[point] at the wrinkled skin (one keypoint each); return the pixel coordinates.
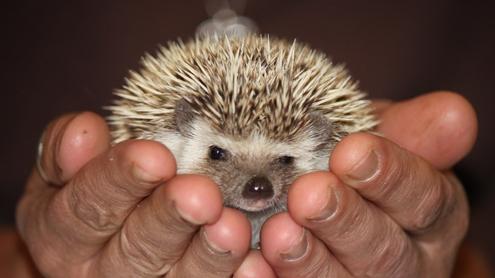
(122, 211)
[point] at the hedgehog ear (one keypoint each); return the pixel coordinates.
(184, 116)
(322, 129)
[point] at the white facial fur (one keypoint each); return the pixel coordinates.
(190, 152)
(257, 152)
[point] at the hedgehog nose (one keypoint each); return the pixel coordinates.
(258, 188)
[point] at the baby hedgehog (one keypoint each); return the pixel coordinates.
(252, 113)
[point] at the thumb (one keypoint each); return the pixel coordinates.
(68, 143)
(441, 126)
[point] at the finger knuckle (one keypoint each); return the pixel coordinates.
(140, 255)
(438, 198)
(391, 174)
(392, 257)
(319, 263)
(320, 268)
(92, 212)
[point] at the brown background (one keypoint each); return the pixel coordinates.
(59, 56)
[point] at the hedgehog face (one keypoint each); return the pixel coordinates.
(253, 172)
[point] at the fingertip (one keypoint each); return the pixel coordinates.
(282, 239)
(311, 196)
(355, 158)
(440, 126)
(197, 198)
(151, 161)
(231, 233)
(254, 266)
(456, 120)
(85, 137)
(48, 162)
(218, 249)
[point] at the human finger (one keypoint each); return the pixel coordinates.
(254, 266)
(362, 238)
(86, 212)
(294, 251)
(406, 187)
(157, 233)
(440, 127)
(68, 143)
(218, 249)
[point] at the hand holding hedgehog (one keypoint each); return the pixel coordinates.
(126, 214)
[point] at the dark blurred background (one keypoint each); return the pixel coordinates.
(61, 56)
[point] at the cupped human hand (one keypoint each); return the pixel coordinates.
(389, 206)
(121, 211)
(95, 210)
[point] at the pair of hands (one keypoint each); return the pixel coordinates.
(389, 206)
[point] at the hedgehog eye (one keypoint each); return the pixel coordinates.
(217, 153)
(286, 159)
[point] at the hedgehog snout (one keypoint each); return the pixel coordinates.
(258, 188)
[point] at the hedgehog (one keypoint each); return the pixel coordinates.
(252, 113)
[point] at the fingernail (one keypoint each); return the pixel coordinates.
(143, 175)
(329, 208)
(365, 168)
(213, 247)
(297, 250)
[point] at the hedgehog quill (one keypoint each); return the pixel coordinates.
(252, 113)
